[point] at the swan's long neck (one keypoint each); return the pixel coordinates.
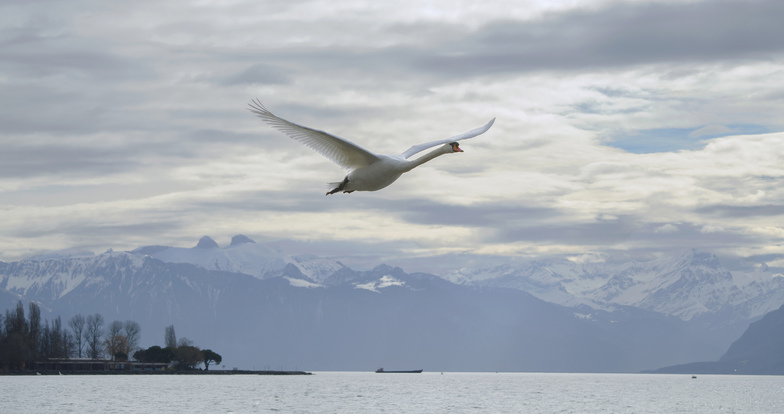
(445, 149)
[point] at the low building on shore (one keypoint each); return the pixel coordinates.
(84, 364)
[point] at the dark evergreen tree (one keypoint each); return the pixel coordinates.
(188, 357)
(33, 336)
(15, 351)
(155, 354)
(211, 357)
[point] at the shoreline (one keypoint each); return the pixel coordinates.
(150, 372)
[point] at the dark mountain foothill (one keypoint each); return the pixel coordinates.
(760, 351)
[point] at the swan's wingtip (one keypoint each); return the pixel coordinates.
(488, 125)
(257, 108)
(256, 104)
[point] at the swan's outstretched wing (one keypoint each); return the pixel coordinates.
(470, 134)
(338, 150)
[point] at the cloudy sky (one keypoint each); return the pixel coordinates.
(625, 129)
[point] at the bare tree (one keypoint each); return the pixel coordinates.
(59, 347)
(115, 328)
(133, 333)
(77, 327)
(92, 335)
(184, 342)
(68, 344)
(115, 342)
(53, 341)
(171, 338)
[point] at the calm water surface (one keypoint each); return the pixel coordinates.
(367, 392)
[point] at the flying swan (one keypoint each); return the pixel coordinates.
(367, 171)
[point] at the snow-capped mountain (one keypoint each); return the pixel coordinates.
(243, 255)
(54, 276)
(382, 317)
(685, 286)
(620, 318)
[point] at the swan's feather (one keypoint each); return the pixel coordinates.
(338, 150)
(470, 134)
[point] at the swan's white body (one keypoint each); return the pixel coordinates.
(367, 171)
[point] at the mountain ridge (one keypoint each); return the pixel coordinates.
(373, 318)
(686, 286)
(238, 295)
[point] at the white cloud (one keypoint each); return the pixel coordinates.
(707, 229)
(667, 229)
(120, 132)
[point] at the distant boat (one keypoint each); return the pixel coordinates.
(381, 371)
(693, 377)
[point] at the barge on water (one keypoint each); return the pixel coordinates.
(382, 371)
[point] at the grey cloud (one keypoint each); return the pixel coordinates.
(764, 258)
(219, 137)
(422, 211)
(417, 211)
(259, 73)
(30, 157)
(615, 36)
(34, 108)
(28, 53)
(59, 159)
(618, 35)
(94, 236)
(645, 244)
(689, 235)
(287, 201)
(87, 233)
(742, 211)
(629, 229)
(600, 232)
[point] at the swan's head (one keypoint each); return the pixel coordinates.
(455, 147)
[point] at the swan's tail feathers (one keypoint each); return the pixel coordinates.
(336, 187)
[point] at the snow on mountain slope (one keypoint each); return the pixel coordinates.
(317, 267)
(684, 286)
(243, 255)
(56, 275)
(384, 282)
(553, 280)
(693, 284)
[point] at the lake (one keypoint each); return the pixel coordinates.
(368, 392)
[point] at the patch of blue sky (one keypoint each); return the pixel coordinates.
(649, 141)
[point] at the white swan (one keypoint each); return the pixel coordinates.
(367, 171)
